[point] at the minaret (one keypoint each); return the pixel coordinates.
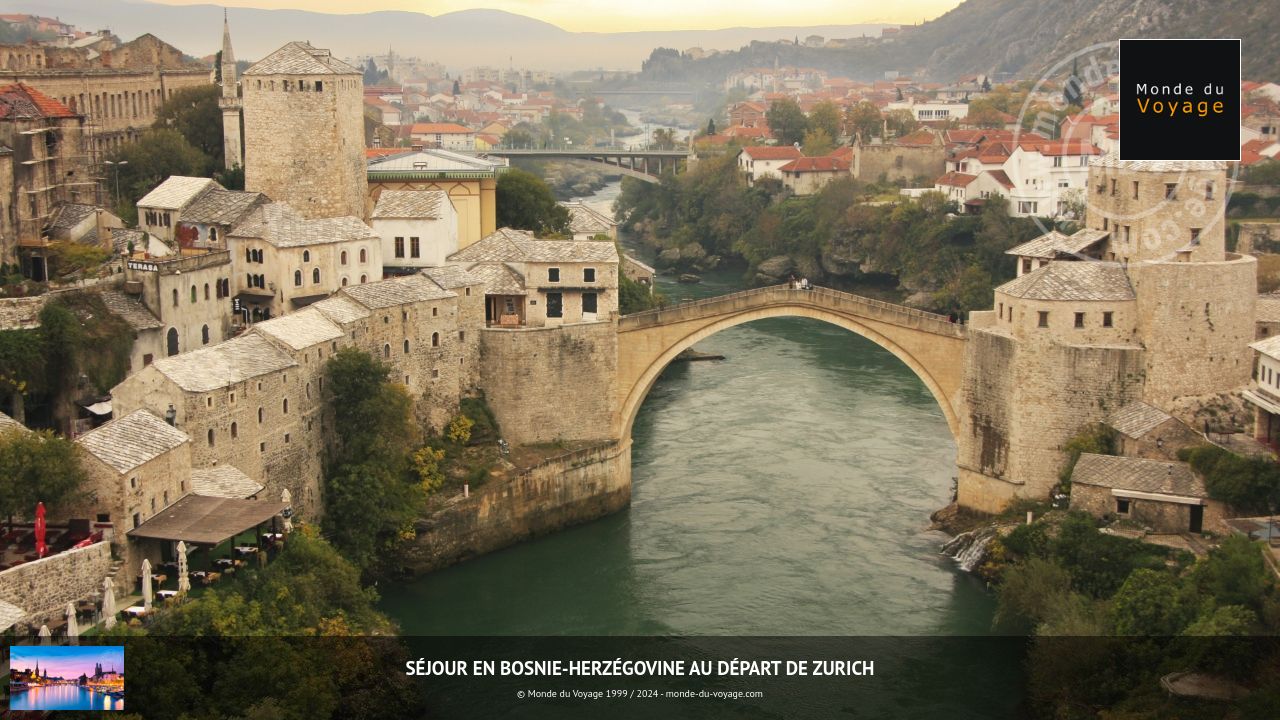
(232, 145)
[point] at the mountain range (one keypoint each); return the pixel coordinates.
(459, 40)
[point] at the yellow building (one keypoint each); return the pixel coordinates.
(471, 183)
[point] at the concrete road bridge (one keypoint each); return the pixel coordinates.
(646, 165)
(931, 345)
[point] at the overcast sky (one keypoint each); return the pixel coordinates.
(624, 15)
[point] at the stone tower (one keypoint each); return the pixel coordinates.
(304, 132)
(1144, 303)
(232, 142)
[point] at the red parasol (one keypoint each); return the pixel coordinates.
(41, 548)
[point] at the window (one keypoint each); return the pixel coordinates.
(553, 274)
(204, 335)
(344, 281)
(1026, 265)
(210, 437)
(589, 275)
(315, 276)
(435, 373)
(399, 247)
(1126, 233)
(1208, 191)
(1170, 191)
(148, 359)
(1195, 236)
(555, 305)
(342, 257)
(1106, 319)
(364, 279)
(462, 335)
(435, 339)
(414, 248)
(1057, 161)
(175, 297)
(193, 293)
(262, 447)
(234, 431)
(285, 405)
(172, 341)
(206, 291)
(297, 278)
(386, 350)
(1001, 312)
(406, 347)
(1027, 207)
(1079, 319)
(435, 312)
(589, 302)
(1122, 506)
(259, 416)
(137, 519)
(1113, 188)
(306, 256)
(1044, 318)
(319, 86)
(286, 438)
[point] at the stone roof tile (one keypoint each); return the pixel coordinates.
(222, 207)
(129, 309)
(585, 219)
(341, 309)
(507, 245)
(127, 442)
(226, 363)
(1137, 419)
(1054, 243)
(1086, 280)
(397, 291)
(223, 481)
(499, 279)
(410, 204)
(300, 58)
(1138, 475)
(301, 329)
(176, 192)
(452, 277)
(282, 226)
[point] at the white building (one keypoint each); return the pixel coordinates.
(761, 161)
(927, 111)
(419, 228)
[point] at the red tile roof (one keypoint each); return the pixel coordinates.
(20, 100)
(441, 129)
(383, 152)
(1001, 177)
(825, 163)
(956, 179)
(919, 138)
(770, 152)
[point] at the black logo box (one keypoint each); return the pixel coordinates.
(1194, 65)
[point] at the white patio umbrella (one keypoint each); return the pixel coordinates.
(184, 582)
(146, 585)
(108, 603)
(73, 628)
(287, 499)
(45, 635)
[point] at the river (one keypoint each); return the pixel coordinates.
(63, 697)
(785, 490)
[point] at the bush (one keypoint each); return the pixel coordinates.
(484, 426)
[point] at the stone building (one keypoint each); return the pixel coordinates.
(188, 295)
(1263, 392)
(194, 213)
(585, 222)
(920, 154)
(419, 229)
(304, 132)
(285, 261)
(1164, 317)
(470, 182)
(1146, 431)
(1165, 496)
(536, 283)
(43, 163)
(118, 91)
(160, 210)
(808, 175)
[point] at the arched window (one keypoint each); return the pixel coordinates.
(362, 257)
(306, 256)
(193, 293)
(315, 276)
(406, 347)
(344, 282)
(285, 405)
(248, 255)
(364, 279)
(234, 431)
(206, 291)
(248, 279)
(204, 335)
(173, 340)
(259, 416)
(213, 234)
(342, 257)
(435, 339)
(297, 277)
(210, 437)
(386, 351)
(175, 297)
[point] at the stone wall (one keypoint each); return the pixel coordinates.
(898, 162)
(568, 490)
(44, 587)
(550, 384)
(1161, 517)
(1258, 237)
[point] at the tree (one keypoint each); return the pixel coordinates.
(194, 112)
(35, 467)
(825, 116)
(1150, 602)
(153, 158)
(787, 122)
(526, 203)
(818, 142)
(901, 122)
(1073, 90)
(984, 113)
(711, 126)
(1028, 591)
(863, 120)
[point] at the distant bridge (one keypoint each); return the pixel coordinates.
(931, 345)
(646, 165)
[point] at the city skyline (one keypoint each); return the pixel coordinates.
(603, 16)
(66, 661)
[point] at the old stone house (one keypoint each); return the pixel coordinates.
(470, 182)
(1165, 496)
(762, 161)
(585, 222)
(1146, 431)
(190, 296)
(419, 229)
(808, 175)
(536, 283)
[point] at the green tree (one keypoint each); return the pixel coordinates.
(1027, 593)
(153, 158)
(1235, 573)
(818, 142)
(1248, 484)
(194, 113)
(787, 122)
(825, 116)
(526, 203)
(37, 466)
(664, 139)
(863, 120)
(901, 122)
(1150, 602)
(369, 475)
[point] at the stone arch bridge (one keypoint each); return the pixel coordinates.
(931, 345)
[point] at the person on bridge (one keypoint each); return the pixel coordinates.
(804, 284)
(792, 283)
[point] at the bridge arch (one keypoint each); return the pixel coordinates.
(930, 345)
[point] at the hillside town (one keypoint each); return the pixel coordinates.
(1121, 364)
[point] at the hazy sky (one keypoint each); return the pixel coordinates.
(622, 15)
